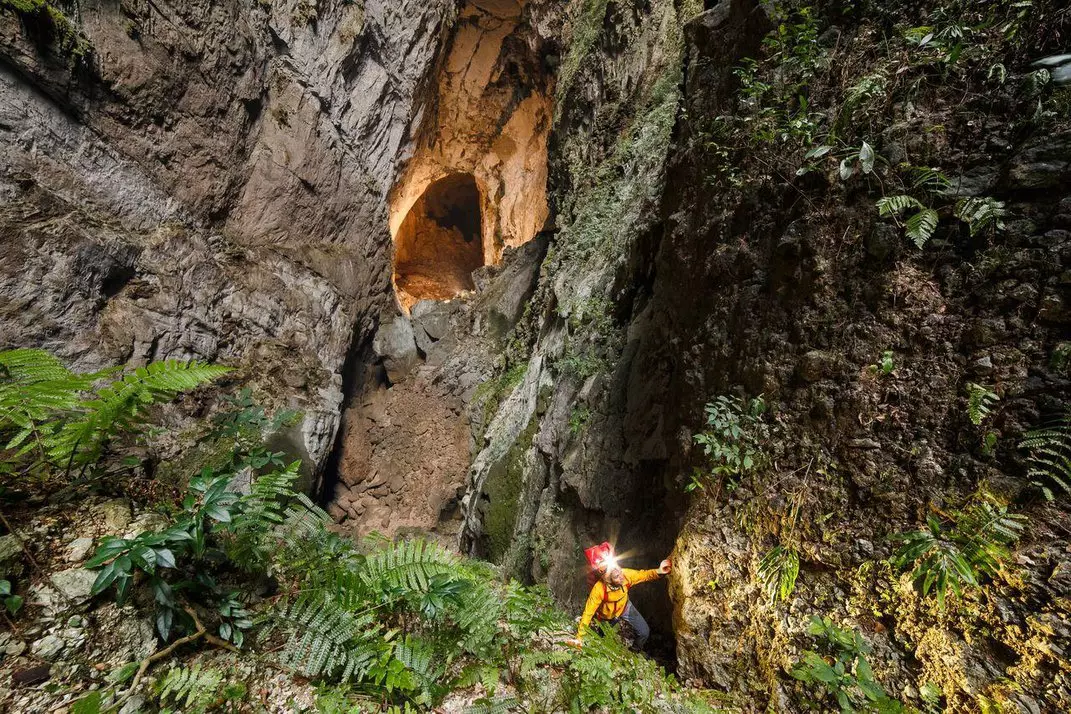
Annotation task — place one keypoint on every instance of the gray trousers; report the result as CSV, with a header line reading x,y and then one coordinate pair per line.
x,y
633,617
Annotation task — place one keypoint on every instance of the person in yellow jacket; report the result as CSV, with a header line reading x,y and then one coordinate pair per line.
x,y
608,600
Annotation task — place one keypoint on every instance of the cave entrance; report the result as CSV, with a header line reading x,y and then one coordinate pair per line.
x,y
440,241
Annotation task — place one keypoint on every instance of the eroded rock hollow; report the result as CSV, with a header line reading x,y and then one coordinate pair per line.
x,y
474,187
483,140
440,242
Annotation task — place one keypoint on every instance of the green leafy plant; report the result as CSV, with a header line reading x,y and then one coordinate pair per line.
x,y
955,555
215,521
89,704
842,670
578,419
919,226
863,159
1049,459
192,688
606,675
980,401
243,424
886,365
12,602
52,416
398,624
982,214
778,571
733,438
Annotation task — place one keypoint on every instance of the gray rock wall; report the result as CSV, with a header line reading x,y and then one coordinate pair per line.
x,y
209,182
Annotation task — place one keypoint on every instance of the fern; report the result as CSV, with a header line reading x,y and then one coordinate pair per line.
x,y
920,227
893,206
980,401
80,439
478,615
261,511
1049,460
778,571
192,688
408,566
981,214
45,406
34,386
325,640
423,666
494,706
954,556
928,179
987,529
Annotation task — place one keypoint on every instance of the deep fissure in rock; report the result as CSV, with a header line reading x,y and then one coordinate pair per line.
x,y
475,185
440,242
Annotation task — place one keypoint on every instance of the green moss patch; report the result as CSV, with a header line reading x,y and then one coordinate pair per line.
x,y
49,28
503,489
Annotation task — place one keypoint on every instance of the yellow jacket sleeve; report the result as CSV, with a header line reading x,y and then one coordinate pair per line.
x,y
594,601
635,577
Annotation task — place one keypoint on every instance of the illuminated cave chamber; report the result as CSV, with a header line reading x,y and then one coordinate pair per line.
x,y
476,182
440,242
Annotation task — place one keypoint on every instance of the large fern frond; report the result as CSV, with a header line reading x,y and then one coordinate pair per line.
x,y
892,206
260,512
500,705
78,436
980,401
920,227
30,366
194,689
1049,461
981,214
407,566
324,639
478,615
986,530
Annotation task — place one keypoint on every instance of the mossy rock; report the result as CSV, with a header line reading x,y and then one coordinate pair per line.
x,y
503,489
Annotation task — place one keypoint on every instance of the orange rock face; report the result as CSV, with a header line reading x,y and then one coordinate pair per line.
x,y
481,157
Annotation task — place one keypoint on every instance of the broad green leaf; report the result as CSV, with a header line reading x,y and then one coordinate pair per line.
x,y
89,704
867,158
104,578
165,558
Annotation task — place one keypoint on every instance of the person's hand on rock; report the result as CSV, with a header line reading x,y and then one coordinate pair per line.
x,y
665,566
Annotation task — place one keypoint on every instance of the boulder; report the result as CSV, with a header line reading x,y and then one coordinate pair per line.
x,y
48,647
396,345
114,515
78,550
816,365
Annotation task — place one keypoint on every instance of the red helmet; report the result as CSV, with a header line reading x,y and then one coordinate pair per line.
x,y
598,555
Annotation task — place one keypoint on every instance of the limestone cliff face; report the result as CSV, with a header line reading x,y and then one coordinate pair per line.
x,y
233,181
209,181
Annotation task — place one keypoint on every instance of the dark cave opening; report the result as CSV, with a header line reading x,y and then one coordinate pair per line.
x,y
440,242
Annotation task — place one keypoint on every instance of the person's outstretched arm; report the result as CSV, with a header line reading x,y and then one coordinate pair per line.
x,y
642,576
635,577
595,598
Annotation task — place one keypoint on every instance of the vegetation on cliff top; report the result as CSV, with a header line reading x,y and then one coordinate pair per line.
x,y
900,147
